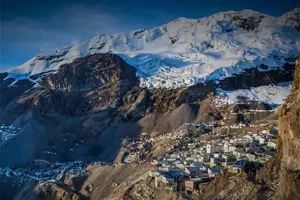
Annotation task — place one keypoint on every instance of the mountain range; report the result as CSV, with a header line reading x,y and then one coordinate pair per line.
x,y
188,51
80,102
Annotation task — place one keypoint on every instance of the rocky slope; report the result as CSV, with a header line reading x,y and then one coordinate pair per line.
x,y
279,178
83,110
65,114
289,142
80,102
80,111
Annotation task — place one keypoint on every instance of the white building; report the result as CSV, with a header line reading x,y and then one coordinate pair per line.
x,y
272,145
209,148
225,147
261,140
231,148
204,158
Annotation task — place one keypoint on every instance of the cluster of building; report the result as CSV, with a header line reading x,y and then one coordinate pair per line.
x,y
201,159
8,133
139,148
241,125
44,171
137,151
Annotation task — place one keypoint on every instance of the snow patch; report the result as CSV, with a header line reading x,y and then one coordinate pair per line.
x,y
269,94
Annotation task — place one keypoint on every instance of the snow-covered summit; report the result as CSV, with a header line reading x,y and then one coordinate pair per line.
x,y
291,18
186,51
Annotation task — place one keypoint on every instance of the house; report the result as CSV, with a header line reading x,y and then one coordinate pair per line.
x,y
190,185
228,157
250,157
236,150
212,161
225,147
154,173
261,140
213,171
192,171
180,165
165,165
171,159
204,158
216,155
271,145
215,161
163,168
239,165
167,179
217,149
201,166
257,137
265,131
252,149
231,148
191,145
174,169
195,183
161,176
239,153
209,149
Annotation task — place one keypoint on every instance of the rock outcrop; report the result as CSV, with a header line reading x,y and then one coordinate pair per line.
x,y
94,71
289,142
68,111
9,92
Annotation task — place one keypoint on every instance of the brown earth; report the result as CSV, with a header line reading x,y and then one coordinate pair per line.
x,y
289,142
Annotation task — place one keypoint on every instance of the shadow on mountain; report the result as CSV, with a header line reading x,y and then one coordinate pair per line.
x,y
85,109
76,114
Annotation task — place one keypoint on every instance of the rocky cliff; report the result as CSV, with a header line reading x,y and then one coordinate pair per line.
x,y
66,113
84,109
279,179
289,142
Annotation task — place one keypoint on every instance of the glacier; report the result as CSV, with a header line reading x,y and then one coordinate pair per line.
x,y
188,51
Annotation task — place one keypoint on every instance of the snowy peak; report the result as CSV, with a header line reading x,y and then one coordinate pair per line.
x,y
186,51
291,18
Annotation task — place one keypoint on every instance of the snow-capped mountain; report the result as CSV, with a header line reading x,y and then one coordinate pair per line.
x,y
187,51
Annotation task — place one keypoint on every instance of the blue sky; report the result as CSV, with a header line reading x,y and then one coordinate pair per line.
x,y
31,27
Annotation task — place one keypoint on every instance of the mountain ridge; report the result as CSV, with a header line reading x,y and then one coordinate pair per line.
x,y
186,51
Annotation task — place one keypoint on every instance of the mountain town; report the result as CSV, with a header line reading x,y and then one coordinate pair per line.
x,y
202,108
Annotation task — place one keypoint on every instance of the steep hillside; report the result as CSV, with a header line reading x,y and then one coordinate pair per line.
x,y
289,142
80,102
84,109
62,118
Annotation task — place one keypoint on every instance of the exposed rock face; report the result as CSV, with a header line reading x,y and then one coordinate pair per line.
x,y
248,24
289,142
76,105
8,92
255,77
53,191
85,74
82,111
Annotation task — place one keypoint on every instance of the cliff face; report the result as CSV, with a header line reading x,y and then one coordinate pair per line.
x,y
91,72
289,142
